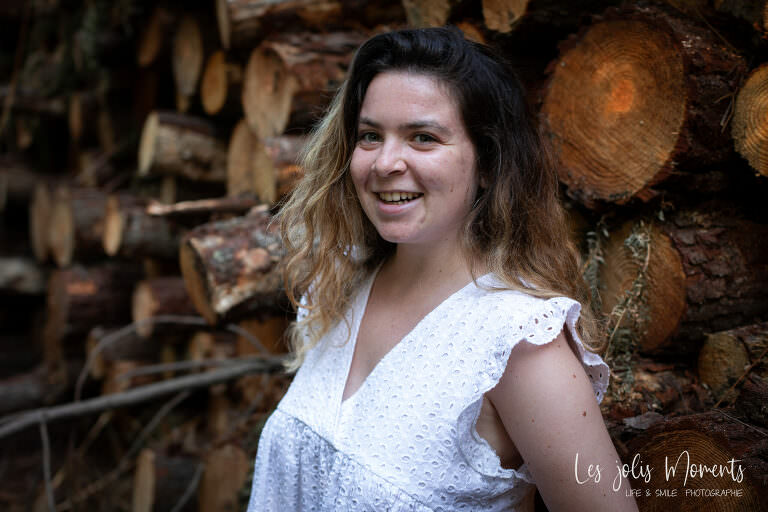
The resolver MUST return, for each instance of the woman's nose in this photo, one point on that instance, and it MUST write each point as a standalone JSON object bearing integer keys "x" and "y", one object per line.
{"x": 390, "y": 158}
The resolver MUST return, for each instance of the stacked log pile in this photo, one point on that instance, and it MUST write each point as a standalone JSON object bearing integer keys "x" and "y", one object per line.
{"x": 144, "y": 150}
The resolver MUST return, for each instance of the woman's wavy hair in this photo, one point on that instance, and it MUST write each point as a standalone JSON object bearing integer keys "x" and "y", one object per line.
{"x": 516, "y": 229}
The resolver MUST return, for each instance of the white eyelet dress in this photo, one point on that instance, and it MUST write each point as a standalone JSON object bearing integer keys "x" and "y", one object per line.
{"x": 406, "y": 440}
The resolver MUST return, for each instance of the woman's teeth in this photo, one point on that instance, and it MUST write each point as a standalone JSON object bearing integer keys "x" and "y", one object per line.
{"x": 398, "y": 197}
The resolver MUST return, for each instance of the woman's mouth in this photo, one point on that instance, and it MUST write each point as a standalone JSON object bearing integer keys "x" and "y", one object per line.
{"x": 398, "y": 197}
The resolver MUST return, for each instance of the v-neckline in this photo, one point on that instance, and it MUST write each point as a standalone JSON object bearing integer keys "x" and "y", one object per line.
{"x": 361, "y": 304}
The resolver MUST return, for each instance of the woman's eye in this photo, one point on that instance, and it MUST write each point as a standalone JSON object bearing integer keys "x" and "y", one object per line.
{"x": 423, "y": 138}
{"x": 368, "y": 137}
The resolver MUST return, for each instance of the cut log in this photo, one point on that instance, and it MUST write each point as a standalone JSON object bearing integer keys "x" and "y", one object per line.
{"x": 80, "y": 298}
{"x": 128, "y": 346}
{"x": 120, "y": 377}
{"x": 160, "y": 296}
{"x": 693, "y": 456}
{"x": 21, "y": 276}
{"x": 217, "y": 345}
{"x": 754, "y": 12}
{"x": 131, "y": 232}
{"x": 231, "y": 267}
{"x": 226, "y": 471}
{"x": 154, "y": 39}
{"x": 749, "y": 129}
{"x": 267, "y": 169}
{"x": 653, "y": 387}
{"x": 307, "y": 66}
{"x": 220, "y": 89}
{"x": 635, "y": 96}
{"x": 705, "y": 274}
{"x": 34, "y": 389}
{"x": 753, "y": 400}
{"x": 181, "y": 145}
{"x": 76, "y": 227}
{"x": 726, "y": 356}
{"x": 428, "y": 13}
{"x": 17, "y": 181}
{"x": 188, "y": 56}
{"x": 268, "y": 330}
{"x": 219, "y": 412}
{"x": 244, "y": 22}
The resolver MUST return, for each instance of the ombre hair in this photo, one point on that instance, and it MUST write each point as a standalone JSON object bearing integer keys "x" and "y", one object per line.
{"x": 516, "y": 229}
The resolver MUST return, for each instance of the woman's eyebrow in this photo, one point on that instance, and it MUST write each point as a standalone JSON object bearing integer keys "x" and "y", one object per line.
{"x": 413, "y": 125}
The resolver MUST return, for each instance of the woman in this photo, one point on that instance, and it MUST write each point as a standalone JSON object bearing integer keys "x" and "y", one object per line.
{"x": 441, "y": 366}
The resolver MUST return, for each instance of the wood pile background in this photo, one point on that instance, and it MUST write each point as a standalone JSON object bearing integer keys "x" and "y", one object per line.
{"x": 145, "y": 145}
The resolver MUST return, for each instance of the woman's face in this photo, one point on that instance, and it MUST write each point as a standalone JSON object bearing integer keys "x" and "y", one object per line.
{"x": 413, "y": 166}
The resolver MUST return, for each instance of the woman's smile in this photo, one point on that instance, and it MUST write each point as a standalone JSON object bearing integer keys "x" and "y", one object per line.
{"x": 414, "y": 165}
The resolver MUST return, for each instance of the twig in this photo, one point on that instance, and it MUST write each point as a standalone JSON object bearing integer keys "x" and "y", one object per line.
{"x": 742, "y": 422}
{"x": 126, "y": 461}
{"x": 143, "y": 393}
{"x": 743, "y": 375}
{"x": 190, "y": 489}
{"x": 47, "y": 463}
{"x": 159, "y": 319}
{"x": 177, "y": 366}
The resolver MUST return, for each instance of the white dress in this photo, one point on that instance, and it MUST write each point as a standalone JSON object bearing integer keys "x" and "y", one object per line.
{"x": 406, "y": 440}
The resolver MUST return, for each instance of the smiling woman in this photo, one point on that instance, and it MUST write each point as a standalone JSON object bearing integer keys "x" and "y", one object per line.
{"x": 444, "y": 358}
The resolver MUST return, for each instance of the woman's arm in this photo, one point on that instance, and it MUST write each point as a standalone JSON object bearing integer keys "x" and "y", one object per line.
{"x": 548, "y": 407}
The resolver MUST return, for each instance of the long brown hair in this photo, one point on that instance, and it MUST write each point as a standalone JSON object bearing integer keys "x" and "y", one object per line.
{"x": 516, "y": 229}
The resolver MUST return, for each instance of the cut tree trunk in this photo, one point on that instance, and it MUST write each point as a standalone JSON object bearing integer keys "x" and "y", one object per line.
{"x": 726, "y": 356}
{"x": 754, "y": 12}
{"x": 753, "y": 400}
{"x": 128, "y": 346}
{"x": 76, "y": 225}
{"x": 653, "y": 387}
{"x": 226, "y": 470}
{"x": 181, "y": 145}
{"x": 244, "y": 22}
{"x": 269, "y": 330}
{"x": 131, "y": 232}
{"x": 508, "y": 15}
{"x": 749, "y": 129}
{"x": 635, "y": 96}
{"x": 293, "y": 77}
{"x": 733, "y": 449}
{"x": 269, "y": 168}
{"x": 160, "y": 481}
{"x": 231, "y": 267}
{"x": 221, "y": 86}
{"x": 189, "y": 50}
{"x": 80, "y": 298}
{"x": 428, "y": 13}
{"x": 21, "y": 276}
{"x": 34, "y": 389}
{"x": 155, "y": 38}
{"x": 160, "y": 296}
{"x": 705, "y": 274}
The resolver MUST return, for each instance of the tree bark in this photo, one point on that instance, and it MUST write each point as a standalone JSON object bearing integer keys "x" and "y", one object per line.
{"x": 749, "y": 130}
{"x": 131, "y": 232}
{"x": 183, "y": 146}
{"x": 231, "y": 267}
{"x": 635, "y": 96}
{"x": 189, "y": 50}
